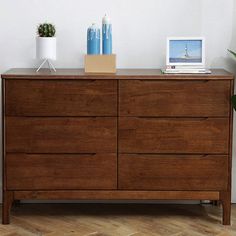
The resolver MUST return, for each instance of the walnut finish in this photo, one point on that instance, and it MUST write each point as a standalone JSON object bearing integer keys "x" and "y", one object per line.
{"x": 61, "y": 135}
{"x": 61, "y": 171}
{"x": 178, "y": 135}
{"x": 61, "y": 98}
{"x": 172, "y": 172}
{"x": 174, "y": 99}
{"x": 122, "y": 74}
{"x": 116, "y": 195}
{"x": 134, "y": 135}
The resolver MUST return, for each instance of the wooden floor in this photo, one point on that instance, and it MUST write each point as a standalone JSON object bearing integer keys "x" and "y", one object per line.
{"x": 117, "y": 220}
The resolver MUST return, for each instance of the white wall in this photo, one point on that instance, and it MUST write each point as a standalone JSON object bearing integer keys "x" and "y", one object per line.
{"x": 140, "y": 29}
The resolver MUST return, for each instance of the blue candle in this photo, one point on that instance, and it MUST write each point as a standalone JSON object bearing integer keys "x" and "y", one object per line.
{"x": 106, "y": 35}
{"x": 93, "y": 40}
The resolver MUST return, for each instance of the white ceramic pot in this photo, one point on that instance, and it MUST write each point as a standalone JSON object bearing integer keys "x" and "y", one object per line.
{"x": 46, "y": 48}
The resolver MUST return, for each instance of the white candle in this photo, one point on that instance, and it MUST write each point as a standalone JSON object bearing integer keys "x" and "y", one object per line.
{"x": 106, "y": 20}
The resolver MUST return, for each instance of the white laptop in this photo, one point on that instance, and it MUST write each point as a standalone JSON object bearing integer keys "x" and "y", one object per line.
{"x": 185, "y": 56}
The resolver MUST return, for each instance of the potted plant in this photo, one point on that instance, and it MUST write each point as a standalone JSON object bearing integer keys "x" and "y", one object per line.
{"x": 46, "y": 44}
{"x": 234, "y": 96}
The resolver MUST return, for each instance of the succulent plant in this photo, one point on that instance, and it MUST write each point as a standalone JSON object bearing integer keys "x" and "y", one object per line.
{"x": 46, "y": 30}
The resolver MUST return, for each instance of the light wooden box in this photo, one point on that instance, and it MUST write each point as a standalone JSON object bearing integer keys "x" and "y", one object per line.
{"x": 100, "y": 64}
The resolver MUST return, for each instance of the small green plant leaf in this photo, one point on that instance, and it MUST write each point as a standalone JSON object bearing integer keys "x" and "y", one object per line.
{"x": 232, "y": 52}
{"x": 234, "y": 101}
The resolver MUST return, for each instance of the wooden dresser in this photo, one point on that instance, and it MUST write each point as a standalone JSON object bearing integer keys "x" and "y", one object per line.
{"x": 137, "y": 135}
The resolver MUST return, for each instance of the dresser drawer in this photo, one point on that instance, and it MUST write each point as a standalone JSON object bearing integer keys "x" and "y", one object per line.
{"x": 173, "y": 172}
{"x": 61, "y": 98}
{"x": 61, "y": 135}
{"x": 61, "y": 171}
{"x": 177, "y": 135}
{"x": 174, "y": 98}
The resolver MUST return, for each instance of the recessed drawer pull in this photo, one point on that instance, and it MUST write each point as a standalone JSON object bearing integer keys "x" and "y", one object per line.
{"x": 205, "y": 155}
{"x": 149, "y": 80}
{"x": 87, "y": 80}
{"x": 88, "y": 154}
{"x": 163, "y": 79}
{"x": 171, "y": 118}
{"x": 199, "y": 81}
{"x": 58, "y": 154}
{"x": 77, "y": 154}
{"x": 199, "y": 118}
{"x": 166, "y": 155}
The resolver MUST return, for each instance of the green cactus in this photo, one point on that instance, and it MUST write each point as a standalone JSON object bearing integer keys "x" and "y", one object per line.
{"x": 46, "y": 30}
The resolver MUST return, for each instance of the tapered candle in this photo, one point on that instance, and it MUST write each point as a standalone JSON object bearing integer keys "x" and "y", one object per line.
{"x": 106, "y": 35}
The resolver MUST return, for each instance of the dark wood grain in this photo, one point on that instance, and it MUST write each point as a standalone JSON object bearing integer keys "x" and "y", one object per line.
{"x": 172, "y": 172}
{"x": 156, "y": 74}
{"x": 225, "y": 197}
{"x": 153, "y": 135}
{"x": 61, "y": 131}
{"x": 61, "y": 171}
{"x": 61, "y": 135}
{"x": 175, "y": 98}
{"x": 8, "y": 198}
{"x": 116, "y": 195}
{"x": 61, "y": 98}
{"x": 4, "y": 186}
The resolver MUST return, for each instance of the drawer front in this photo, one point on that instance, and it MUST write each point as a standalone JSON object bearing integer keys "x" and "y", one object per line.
{"x": 177, "y": 135}
{"x": 61, "y": 98}
{"x": 61, "y": 135}
{"x": 173, "y": 172}
{"x": 174, "y": 98}
{"x": 61, "y": 171}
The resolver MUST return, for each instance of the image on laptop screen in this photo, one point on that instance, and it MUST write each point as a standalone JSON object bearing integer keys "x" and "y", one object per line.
{"x": 186, "y": 51}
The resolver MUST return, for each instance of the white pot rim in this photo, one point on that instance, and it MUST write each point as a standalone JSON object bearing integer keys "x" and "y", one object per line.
{"x": 46, "y": 37}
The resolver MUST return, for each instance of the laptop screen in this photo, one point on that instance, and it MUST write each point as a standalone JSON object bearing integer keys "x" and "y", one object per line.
{"x": 189, "y": 51}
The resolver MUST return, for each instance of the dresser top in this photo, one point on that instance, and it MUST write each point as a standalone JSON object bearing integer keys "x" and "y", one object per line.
{"x": 121, "y": 74}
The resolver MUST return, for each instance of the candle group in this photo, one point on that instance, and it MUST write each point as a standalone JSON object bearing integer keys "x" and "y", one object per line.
{"x": 93, "y": 38}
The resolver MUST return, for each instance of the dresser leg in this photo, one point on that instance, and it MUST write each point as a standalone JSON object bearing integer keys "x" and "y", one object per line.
{"x": 225, "y": 198}
{"x": 8, "y": 198}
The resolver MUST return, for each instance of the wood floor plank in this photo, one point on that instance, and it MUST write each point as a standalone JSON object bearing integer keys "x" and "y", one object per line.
{"x": 117, "y": 220}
